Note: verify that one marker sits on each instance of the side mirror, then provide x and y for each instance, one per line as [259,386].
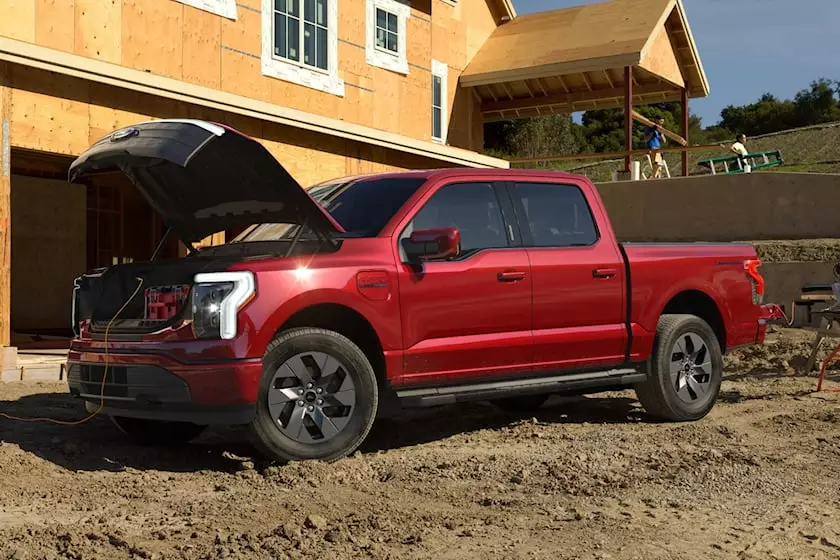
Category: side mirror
[426,244]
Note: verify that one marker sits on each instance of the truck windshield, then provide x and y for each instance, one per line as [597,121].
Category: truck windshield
[362,207]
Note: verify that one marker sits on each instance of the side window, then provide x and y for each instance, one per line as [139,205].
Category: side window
[439,94]
[472,208]
[557,215]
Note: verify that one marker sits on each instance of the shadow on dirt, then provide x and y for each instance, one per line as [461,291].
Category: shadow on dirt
[97,445]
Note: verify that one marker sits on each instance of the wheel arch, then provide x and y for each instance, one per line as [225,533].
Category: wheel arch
[346,321]
[702,305]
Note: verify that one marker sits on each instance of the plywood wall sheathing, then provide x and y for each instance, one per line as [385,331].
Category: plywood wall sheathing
[660,59]
[152,36]
[98,29]
[17,19]
[54,24]
[237,75]
[202,47]
[243,34]
[49,113]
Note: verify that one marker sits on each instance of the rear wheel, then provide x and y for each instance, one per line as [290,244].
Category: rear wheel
[685,370]
[158,432]
[523,404]
[318,397]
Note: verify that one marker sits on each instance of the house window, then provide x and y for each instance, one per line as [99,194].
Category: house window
[439,95]
[294,34]
[300,44]
[387,30]
[386,24]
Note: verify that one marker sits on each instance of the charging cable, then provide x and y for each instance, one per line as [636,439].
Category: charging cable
[104,376]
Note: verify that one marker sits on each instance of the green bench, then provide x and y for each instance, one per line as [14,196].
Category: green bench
[735,164]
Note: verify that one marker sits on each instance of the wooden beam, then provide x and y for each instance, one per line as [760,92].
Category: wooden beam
[5,204]
[527,87]
[565,98]
[673,136]
[563,83]
[685,130]
[508,91]
[628,116]
[586,81]
[609,80]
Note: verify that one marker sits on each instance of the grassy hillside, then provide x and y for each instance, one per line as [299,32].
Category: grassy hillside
[813,149]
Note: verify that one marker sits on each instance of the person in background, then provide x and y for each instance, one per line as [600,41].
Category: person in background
[654,140]
[739,148]
[740,145]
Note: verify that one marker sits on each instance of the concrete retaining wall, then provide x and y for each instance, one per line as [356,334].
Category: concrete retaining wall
[751,206]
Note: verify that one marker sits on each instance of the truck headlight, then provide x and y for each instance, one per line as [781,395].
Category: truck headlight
[216,301]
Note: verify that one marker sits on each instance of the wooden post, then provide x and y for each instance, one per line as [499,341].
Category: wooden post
[5,205]
[628,116]
[685,130]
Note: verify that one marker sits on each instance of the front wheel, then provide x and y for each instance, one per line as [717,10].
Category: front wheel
[158,432]
[318,397]
[684,371]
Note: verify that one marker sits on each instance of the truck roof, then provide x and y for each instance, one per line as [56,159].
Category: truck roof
[460,172]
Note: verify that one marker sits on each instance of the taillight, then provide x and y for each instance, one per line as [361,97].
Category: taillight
[751,266]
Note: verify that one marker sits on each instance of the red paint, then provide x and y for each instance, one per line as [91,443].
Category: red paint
[512,310]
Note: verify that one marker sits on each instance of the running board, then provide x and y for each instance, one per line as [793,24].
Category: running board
[432,396]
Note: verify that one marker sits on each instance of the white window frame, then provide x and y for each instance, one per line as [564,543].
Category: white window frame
[298,72]
[440,70]
[224,8]
[383,58]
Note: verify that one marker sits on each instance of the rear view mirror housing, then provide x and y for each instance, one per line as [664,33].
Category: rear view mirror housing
[432,244]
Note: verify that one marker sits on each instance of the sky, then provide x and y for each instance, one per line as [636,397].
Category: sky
[751,47]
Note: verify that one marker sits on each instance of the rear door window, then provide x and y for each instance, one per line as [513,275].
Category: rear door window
[555,215]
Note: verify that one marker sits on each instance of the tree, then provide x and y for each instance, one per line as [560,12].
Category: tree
[534,136]
[819,104]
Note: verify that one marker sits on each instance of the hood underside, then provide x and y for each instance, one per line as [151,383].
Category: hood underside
[203,178]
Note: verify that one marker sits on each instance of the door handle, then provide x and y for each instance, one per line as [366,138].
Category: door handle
[510,276]
[604,272]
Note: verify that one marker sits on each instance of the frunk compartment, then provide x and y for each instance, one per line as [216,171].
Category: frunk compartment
[159,301]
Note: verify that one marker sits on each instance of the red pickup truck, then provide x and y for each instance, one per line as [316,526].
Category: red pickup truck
[368,294]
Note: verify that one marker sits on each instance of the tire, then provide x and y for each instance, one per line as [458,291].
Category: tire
[522,404]
[683,393]
[338,408]
[158,432]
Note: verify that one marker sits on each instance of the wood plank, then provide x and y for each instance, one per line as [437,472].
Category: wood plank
[5,205]
[672,135]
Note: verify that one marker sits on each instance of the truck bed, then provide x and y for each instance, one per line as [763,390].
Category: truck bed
[657,272]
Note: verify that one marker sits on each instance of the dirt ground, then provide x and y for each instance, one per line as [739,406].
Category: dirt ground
[585,478]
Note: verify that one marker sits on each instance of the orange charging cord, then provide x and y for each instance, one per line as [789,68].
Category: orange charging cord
[104,376]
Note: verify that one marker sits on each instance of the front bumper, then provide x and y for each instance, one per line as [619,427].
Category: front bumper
[158,388]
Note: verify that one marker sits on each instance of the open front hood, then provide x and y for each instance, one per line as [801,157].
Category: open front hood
[203,178]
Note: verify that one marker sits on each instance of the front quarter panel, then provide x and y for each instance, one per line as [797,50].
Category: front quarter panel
[287,286]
